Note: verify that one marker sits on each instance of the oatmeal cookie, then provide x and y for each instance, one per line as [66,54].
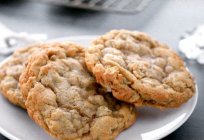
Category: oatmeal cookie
[62,97]
[10,72]
[140,70]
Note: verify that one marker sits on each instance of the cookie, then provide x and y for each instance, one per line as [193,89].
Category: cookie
[10,72]
[140,70]
[63,98]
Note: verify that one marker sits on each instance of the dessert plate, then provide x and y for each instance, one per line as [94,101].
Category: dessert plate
[151,123]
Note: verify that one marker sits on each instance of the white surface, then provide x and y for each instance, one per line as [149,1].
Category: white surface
[151,123]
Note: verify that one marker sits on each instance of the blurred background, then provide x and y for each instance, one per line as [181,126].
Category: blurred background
[166,20]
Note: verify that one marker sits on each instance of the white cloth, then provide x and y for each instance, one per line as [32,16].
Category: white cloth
[192,45]
[16,40]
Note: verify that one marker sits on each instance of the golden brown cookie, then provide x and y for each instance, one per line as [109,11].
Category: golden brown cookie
[10,72]
[140,70]
[62,97]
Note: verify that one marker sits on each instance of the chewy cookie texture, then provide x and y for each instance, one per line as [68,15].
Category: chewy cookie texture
[10,72]
[139,70]
[62,97]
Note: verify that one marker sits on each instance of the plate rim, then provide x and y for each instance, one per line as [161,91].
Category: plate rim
[195,97]
[90,37]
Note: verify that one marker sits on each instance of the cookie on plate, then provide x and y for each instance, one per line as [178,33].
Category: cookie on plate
[10,71]
[63,98]
[140,70]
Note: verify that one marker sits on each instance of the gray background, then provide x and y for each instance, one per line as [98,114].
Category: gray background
[165,20]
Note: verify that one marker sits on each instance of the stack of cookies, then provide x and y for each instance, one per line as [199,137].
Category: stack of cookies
[77,93]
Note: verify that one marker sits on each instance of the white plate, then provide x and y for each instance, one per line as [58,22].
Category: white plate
[151,123]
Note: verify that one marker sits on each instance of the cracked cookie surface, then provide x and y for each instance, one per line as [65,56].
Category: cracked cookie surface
[10,72]
[139,70]
[62,97]
[12,68]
